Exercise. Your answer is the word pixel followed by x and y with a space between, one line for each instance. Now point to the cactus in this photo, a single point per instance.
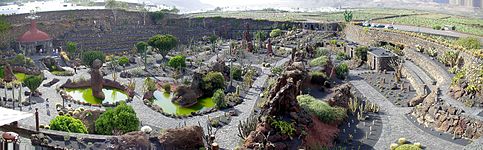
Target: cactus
pixel 245 127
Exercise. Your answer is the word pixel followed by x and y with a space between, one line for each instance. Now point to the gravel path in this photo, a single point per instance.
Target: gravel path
pixel 396 125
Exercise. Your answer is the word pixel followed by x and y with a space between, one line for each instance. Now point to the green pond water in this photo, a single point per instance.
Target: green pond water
pixel 85 95
pixel 20 76
pixel 163 100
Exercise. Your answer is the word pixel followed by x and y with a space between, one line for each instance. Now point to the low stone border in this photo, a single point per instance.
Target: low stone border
pixel 69 98
pixel 158 109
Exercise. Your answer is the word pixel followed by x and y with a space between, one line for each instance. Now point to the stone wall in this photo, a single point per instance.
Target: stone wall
pixel 110 30
pixel 415 81
pixel 367 36
pixel 432 68
pixel 441 116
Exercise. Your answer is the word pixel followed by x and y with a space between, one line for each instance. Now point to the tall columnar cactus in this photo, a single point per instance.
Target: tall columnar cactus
pixel 348 16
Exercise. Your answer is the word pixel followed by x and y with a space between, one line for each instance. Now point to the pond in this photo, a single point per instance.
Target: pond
pixel 85 95
pixel 163 100
pixel 20 76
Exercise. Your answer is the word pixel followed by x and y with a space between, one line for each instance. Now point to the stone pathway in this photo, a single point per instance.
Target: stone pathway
pixel 396 125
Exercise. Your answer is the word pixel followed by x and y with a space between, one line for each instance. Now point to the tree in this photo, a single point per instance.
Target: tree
pixel 361 52
pixel 71 48
pixel 142 48
pixel 163 43
pixel 117 121
pixel 213 39
pixel 4 24
pixel 177 62
pixel 123 61
pixel 89 57
pixel 211 82
pixel 219 99
pixel 32 82
pixel 149 85
pixel 67 124
pixel 275 33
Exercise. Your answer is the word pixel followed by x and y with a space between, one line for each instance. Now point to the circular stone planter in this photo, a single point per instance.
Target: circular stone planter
pixel 83 96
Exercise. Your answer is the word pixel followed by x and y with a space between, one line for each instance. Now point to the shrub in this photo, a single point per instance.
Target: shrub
pixel 361 52
pixel 236 72
pixel 90 56
pixel 321 51
pixel 2 73
pixel 321 109
pixel 71 48
pixel 319 61
pixel 318 77
pixel 286 128
pixel 437 27
pixel 219 99
pixel 212 81
pixel 341 56
pixel 469 42
pixel 407 147
pixel 342 70
pixel 275 33
pixel 67 124
pixel 232 97
pixel 177 62
pixel 123 61
pixel 277 70
pixel 432 52
pixel 149 85
pixel 167 87
pixel 122 119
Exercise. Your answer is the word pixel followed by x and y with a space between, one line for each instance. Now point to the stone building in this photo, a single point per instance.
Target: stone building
pixel 380 58
pixel 35 41
pixel 350 48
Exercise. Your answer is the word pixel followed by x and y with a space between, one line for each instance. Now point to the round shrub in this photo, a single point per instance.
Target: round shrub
pixel 321 109
pixel 119 120
pixel 212 81
pixel 407 147
pixel 67 124
pixel 89 57
pixel 342 70
pixel 275 33
pixel 123 61
pixel 177 62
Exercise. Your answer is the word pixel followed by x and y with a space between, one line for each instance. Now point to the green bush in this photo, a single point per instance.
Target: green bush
pixel 407 147
pixel 71 48
pixel 321 109
pixel 286 128
pixel 149 85
pixel 341 56
pixel 319 61
pixel 89 57
pixel 236 72
pixel 342 70
pixel 122 119
pixel 211 82
pixel 437 27
pixel 321 51
pixel 123 61
pixel 277 70
pixel 177 62
pixel 4 24
pixel 67 124
pixel 2 72
pixel 469 42
pixel 219 99
pixel 318 77
pixel 275 33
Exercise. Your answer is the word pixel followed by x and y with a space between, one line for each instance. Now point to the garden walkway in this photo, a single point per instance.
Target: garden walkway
pixel 394 123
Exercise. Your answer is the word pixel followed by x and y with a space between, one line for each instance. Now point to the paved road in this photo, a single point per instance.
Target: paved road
pixel 396 125
pixel 435 32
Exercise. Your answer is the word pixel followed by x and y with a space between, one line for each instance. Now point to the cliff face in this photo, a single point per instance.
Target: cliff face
pixel 116 30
